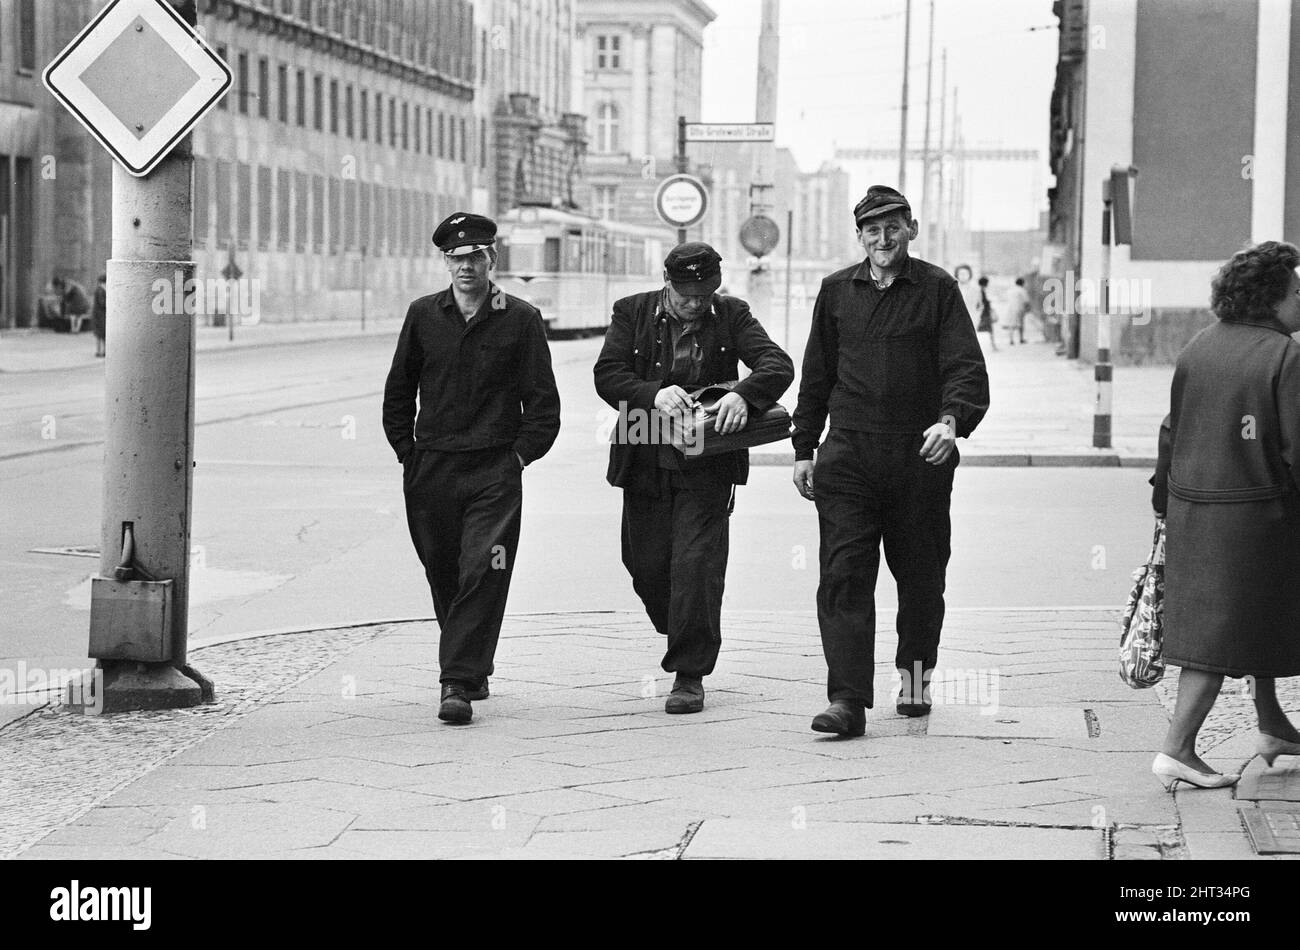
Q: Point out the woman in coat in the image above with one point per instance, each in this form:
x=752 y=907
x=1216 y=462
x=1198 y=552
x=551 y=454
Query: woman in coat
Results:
x=1232 y=601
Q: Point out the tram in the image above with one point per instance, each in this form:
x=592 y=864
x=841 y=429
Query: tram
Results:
x=572 y=267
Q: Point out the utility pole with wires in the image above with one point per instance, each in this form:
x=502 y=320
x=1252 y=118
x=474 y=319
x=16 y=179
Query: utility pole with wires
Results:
x=907 y=60
x=925 y=157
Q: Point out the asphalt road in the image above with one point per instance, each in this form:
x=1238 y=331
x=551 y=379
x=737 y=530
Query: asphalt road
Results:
x=298 y=515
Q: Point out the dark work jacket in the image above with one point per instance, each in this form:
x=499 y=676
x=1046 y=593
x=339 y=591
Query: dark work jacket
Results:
x=890 y=361
x=637 y=357
x=485 y=383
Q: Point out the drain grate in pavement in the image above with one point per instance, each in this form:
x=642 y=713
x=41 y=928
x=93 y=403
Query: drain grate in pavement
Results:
x=1274 y=829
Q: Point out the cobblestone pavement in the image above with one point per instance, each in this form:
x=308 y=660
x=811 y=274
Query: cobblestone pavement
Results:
x=326 y=745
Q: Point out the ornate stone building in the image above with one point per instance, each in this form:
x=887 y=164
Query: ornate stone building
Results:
x=538 y=142
x=641 y=63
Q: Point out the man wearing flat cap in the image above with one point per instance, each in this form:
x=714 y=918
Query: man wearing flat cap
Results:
x=660 y=347
x=893 y=359
x=478 y=360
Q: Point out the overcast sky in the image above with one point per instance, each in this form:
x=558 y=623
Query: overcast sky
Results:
x=841 y=86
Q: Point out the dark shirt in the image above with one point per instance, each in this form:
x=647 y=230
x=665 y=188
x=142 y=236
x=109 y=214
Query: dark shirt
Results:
x=890 y=361
x=687 y=354
x=482 y=384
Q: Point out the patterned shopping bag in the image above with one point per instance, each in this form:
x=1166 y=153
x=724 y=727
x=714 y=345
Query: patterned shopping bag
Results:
x=1142 y=629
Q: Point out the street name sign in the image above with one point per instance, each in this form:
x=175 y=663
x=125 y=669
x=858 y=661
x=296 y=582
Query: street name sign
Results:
x=730 y=132
x=139 y=78
x=681 y=201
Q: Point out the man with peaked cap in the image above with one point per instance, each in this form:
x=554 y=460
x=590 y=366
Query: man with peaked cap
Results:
x=660 y=346
x=488 y=407
x=892 y=357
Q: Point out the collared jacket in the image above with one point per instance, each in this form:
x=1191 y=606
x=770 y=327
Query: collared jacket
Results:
x=637 y=357
x=485 y=383
x=890 y=361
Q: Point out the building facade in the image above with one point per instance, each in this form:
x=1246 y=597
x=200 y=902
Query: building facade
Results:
x=55 y=181
x=820 y=236
x=641 y=64
x=350 y=132
x=1215 y=150
x=537 y=140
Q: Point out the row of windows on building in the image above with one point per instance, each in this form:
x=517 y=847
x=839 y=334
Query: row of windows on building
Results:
x=297 y=211
x=24 y=37
x=342 y=109
x=432 y=33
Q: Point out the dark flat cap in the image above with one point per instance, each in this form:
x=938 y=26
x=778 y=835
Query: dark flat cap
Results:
x=880 y=199
x=694 y=269
x=465 y=233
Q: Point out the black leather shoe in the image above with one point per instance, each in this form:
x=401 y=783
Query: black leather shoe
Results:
x=912 y=710
x=687 y=695
x=455 y=706
x=842 y=718
x=478 y=691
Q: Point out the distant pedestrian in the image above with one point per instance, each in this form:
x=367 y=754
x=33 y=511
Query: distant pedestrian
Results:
x=660 y=346
x=894 y=360
x=969 y=290
x=1232 y=490
x=74 y=305
x=987 y=317
x=1018 y=306
x=99 y=315
x=478 y=361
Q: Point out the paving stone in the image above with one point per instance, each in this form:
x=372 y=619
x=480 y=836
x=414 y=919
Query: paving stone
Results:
x=1024 y=722
x=560 y=766
x=726 y=838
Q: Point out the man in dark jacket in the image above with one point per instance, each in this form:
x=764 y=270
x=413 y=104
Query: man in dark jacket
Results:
x=660 y=347
x=479 y=361
x=893 y=359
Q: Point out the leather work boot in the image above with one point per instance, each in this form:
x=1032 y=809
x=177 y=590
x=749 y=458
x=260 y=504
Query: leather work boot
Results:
x=911 y=709
x=455 y=706
x=842 y=718
x=687 y=695
x=478 y=691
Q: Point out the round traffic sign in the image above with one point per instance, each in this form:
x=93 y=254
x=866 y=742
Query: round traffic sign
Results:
x=760 y=235
x=681 y=201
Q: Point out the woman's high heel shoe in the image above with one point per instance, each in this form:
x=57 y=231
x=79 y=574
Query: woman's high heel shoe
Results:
x=1170 y=772
x=1270 y=747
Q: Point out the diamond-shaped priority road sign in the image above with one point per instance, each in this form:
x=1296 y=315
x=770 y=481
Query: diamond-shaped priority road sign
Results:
x=139 y=78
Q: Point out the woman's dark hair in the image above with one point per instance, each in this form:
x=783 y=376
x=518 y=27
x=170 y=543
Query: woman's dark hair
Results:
x=1252 y=283
x=984 y=281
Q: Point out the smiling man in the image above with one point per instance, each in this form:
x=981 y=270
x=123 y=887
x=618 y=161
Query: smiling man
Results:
x=894 y=360
x=488 y=406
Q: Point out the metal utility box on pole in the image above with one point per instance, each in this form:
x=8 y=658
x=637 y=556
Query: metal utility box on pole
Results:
x=140 y=602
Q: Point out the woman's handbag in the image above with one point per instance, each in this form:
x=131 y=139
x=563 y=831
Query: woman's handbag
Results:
x=1142 y=630
x=699 y=438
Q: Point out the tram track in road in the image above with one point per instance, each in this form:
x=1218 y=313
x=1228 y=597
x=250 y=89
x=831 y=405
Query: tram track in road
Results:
x=203 y=401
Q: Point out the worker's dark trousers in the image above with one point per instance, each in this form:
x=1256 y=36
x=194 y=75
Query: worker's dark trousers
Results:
x=675 y=548
x=871 y=487
x=463 y=510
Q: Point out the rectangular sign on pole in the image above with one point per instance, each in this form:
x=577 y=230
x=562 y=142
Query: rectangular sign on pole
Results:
x=730 y=132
